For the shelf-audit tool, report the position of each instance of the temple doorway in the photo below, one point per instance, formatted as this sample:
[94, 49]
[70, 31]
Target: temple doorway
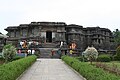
[48, 36]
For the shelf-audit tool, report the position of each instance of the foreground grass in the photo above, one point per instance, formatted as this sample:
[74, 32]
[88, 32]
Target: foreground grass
[12, 70]
[88, 71]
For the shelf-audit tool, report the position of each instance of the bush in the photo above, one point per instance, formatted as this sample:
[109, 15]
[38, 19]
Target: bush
[104, 58]
[91, 54]
[117, 56]
[88, 71]
[112, 57]
[9, 52]
[12, 70]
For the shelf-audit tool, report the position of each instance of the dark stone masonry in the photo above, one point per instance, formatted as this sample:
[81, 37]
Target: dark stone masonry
[50, 34]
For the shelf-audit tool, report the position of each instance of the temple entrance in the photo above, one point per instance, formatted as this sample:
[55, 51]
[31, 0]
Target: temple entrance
[48, 36]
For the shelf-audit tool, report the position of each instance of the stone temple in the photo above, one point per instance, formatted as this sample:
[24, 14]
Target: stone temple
[50, 34]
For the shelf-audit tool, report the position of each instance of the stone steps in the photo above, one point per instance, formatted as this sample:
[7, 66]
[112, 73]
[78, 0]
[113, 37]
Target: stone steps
[46, 53]
[49, 45]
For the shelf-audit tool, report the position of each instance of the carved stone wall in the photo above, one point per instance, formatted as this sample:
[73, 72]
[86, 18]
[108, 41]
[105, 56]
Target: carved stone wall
[100, 38]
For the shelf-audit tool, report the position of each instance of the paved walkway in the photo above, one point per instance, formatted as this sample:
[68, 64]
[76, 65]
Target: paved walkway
[50, 69]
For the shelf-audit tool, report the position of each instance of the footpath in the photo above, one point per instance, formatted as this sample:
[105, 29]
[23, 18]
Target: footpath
[50, 69]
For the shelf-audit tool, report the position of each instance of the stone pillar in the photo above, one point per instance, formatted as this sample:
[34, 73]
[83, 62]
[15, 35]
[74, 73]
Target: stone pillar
[43, 36]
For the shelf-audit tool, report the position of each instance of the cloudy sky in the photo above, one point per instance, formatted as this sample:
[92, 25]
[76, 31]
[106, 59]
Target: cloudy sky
[88, 13]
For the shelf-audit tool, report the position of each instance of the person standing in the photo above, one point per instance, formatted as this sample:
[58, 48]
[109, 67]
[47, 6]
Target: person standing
[52, 52]
[61, 44]
[33, 51]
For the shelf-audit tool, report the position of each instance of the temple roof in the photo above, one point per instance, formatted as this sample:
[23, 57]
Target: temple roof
[48, 23]
[74, 26]
[56, 24]
[97, 28]
[11, 28]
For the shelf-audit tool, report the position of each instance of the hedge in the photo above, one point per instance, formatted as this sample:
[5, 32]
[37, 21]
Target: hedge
[88, 71]
[82, 59]
[116, 58]
[12, 70]
[104, 58]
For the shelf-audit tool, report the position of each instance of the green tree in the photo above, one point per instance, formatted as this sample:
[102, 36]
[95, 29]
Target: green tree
[91, 54]
[9, 52]
[117, 56]
[117, 41]
[117, 36]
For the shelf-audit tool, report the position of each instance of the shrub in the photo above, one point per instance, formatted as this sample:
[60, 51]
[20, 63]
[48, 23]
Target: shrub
[91, 54]
[104, 58]
[117, 56]
[9, 52]
[112, 57]
[14, 69]
[88, 71]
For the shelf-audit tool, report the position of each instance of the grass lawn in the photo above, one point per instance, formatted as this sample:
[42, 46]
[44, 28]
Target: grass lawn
[113, 63]
[117, 63]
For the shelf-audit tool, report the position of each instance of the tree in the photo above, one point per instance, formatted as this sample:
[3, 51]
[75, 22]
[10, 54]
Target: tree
[117, 36]
[91, 54]
[117, 41]
[9, 52]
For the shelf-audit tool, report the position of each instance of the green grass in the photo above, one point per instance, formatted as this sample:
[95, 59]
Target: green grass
[117, 63]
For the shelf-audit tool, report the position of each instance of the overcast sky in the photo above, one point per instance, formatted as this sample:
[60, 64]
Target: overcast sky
[88, 13]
